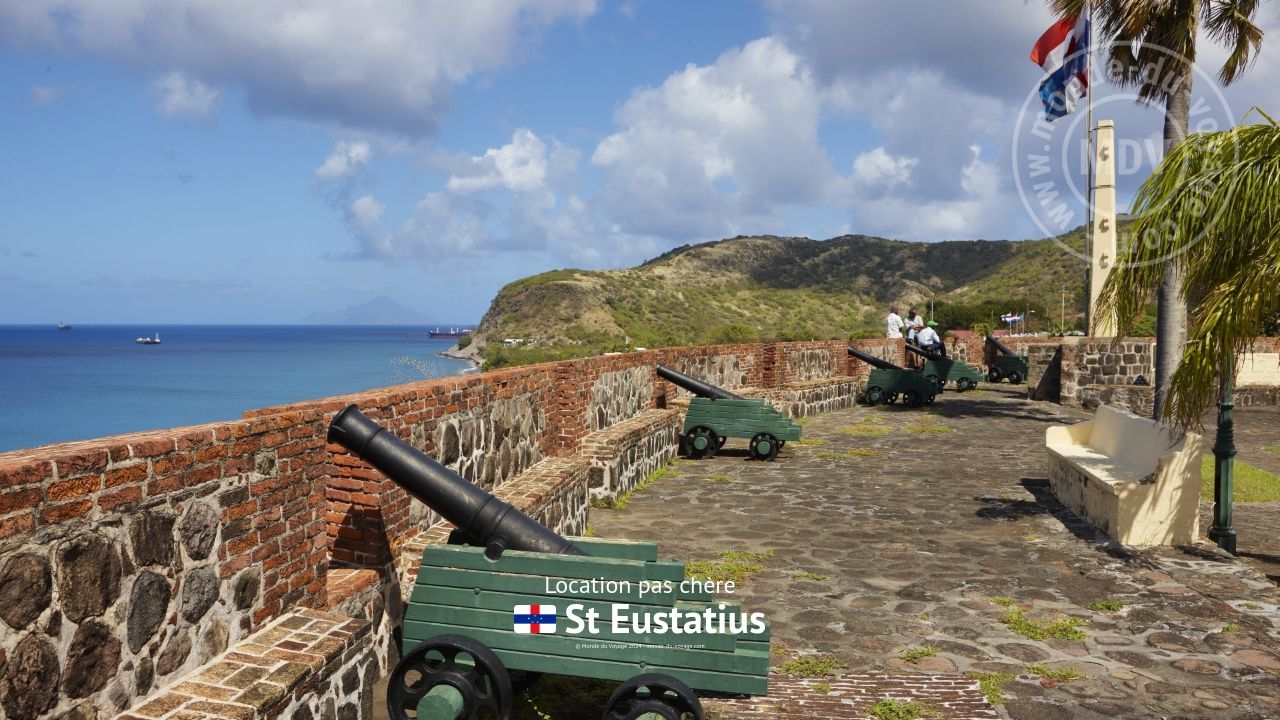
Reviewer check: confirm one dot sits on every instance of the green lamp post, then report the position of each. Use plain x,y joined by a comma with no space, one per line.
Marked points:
1224,449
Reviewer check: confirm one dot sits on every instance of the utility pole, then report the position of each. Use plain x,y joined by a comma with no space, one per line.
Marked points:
1062,324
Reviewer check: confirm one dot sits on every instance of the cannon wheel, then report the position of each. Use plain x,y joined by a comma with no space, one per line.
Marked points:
1015,377
891,398
874,395
702,442
994,376
764,447
911,398
479,681
964,384
654,695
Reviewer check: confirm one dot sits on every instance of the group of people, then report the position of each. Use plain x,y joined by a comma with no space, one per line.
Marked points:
915,328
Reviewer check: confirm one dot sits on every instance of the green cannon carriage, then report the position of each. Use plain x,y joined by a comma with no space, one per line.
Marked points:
888,382
1003,363
940,370
508,600
715,414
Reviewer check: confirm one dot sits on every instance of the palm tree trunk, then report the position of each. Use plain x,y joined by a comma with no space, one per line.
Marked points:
1171,309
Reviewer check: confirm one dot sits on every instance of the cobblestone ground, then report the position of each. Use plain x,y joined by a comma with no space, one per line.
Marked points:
892,537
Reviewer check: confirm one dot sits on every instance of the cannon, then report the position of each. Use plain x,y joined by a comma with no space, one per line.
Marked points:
1003,363
715,414
940,369
887,382
506,600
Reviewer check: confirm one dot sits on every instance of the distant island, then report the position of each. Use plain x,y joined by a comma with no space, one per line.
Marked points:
779,288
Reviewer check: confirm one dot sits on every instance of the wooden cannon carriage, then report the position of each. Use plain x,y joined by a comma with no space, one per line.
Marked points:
716,414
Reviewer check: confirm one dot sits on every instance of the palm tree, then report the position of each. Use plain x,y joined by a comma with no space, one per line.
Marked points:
1153,45
1220,193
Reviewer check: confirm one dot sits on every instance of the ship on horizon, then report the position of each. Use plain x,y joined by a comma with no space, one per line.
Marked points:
450,333
148,341
63,326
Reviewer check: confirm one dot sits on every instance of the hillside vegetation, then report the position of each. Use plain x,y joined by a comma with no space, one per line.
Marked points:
764,288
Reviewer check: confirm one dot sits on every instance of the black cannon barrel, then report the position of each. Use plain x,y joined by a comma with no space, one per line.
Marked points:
482,518
873,361
995,343
695,386
925,353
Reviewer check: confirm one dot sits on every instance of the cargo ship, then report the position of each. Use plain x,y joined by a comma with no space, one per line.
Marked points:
450,333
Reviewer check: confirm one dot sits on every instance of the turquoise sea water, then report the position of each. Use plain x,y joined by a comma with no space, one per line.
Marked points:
94,380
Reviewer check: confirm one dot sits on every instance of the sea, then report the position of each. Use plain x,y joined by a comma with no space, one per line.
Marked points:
95,380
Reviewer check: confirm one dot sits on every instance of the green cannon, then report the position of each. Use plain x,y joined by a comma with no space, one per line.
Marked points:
1003,364
888,382
715,414
508,600
940,369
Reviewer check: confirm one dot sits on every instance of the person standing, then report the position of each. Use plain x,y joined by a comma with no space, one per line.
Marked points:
894,324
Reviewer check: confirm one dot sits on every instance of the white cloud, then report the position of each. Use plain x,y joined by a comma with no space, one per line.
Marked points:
347,158
878,168
378,65
519,166
49,94
184,97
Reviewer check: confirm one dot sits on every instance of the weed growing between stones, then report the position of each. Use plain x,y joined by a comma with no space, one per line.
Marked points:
1031,537
1106,606
1273,448
929,429
671,469
1251,606
720,477
1249,484
589,532
1003,601
823,688
920,653
850,454
810,442
867,427
557,696
889,709
1230,628
1066,628
813,666
735,565
1064,675
806,575
991,685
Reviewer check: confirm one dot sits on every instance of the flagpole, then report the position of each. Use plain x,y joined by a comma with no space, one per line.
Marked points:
1088,138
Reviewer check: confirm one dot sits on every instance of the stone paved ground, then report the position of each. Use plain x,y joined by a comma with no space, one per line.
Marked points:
909,547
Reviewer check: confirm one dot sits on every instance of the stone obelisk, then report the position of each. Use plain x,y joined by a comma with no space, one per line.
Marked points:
1103,247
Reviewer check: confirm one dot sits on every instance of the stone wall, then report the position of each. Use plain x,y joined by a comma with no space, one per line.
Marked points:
811,364
620,395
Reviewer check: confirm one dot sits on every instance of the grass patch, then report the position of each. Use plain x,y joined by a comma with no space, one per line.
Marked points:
735,565
823,688
888,709
1004,601
1065,628
1106,606
1251,606
1064,675
850,454
1248,483
867,427
991,685
920,653
721,477
1031,537
589,532
806,575
619,503
1230,628
813,666
1273,449
801,421
810,442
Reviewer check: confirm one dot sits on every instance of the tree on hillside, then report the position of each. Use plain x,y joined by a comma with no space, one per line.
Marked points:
1222,189
1153,43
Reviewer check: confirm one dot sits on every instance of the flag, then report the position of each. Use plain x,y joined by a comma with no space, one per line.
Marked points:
1062,52
536,619
1010,317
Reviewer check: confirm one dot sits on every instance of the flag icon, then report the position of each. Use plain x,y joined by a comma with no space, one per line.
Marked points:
535,619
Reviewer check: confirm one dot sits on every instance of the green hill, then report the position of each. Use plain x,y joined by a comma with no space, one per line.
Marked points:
762,288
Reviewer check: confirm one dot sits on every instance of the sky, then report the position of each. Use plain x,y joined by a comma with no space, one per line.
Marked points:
255,161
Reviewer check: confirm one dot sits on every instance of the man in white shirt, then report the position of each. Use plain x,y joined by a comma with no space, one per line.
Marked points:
929,340
894,324
914,324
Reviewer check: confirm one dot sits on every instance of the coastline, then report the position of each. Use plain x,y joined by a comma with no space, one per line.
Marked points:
469,354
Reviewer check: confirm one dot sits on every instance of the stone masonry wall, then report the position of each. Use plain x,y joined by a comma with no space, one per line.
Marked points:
619,395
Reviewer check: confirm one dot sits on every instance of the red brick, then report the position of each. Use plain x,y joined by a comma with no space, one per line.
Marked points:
74,488
124,496
213,452
11,526
164,485
169,463
54,514
151,448
125,475
25,473
20,500
233,566
82,462
202,474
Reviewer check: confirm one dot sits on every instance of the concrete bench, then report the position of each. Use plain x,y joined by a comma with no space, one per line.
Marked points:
306,664
1134,479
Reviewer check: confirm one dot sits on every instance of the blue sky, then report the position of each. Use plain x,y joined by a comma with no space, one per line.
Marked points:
240,162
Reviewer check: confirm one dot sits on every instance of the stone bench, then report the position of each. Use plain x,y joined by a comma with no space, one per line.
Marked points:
1131,477
553,492
306,664
623,454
